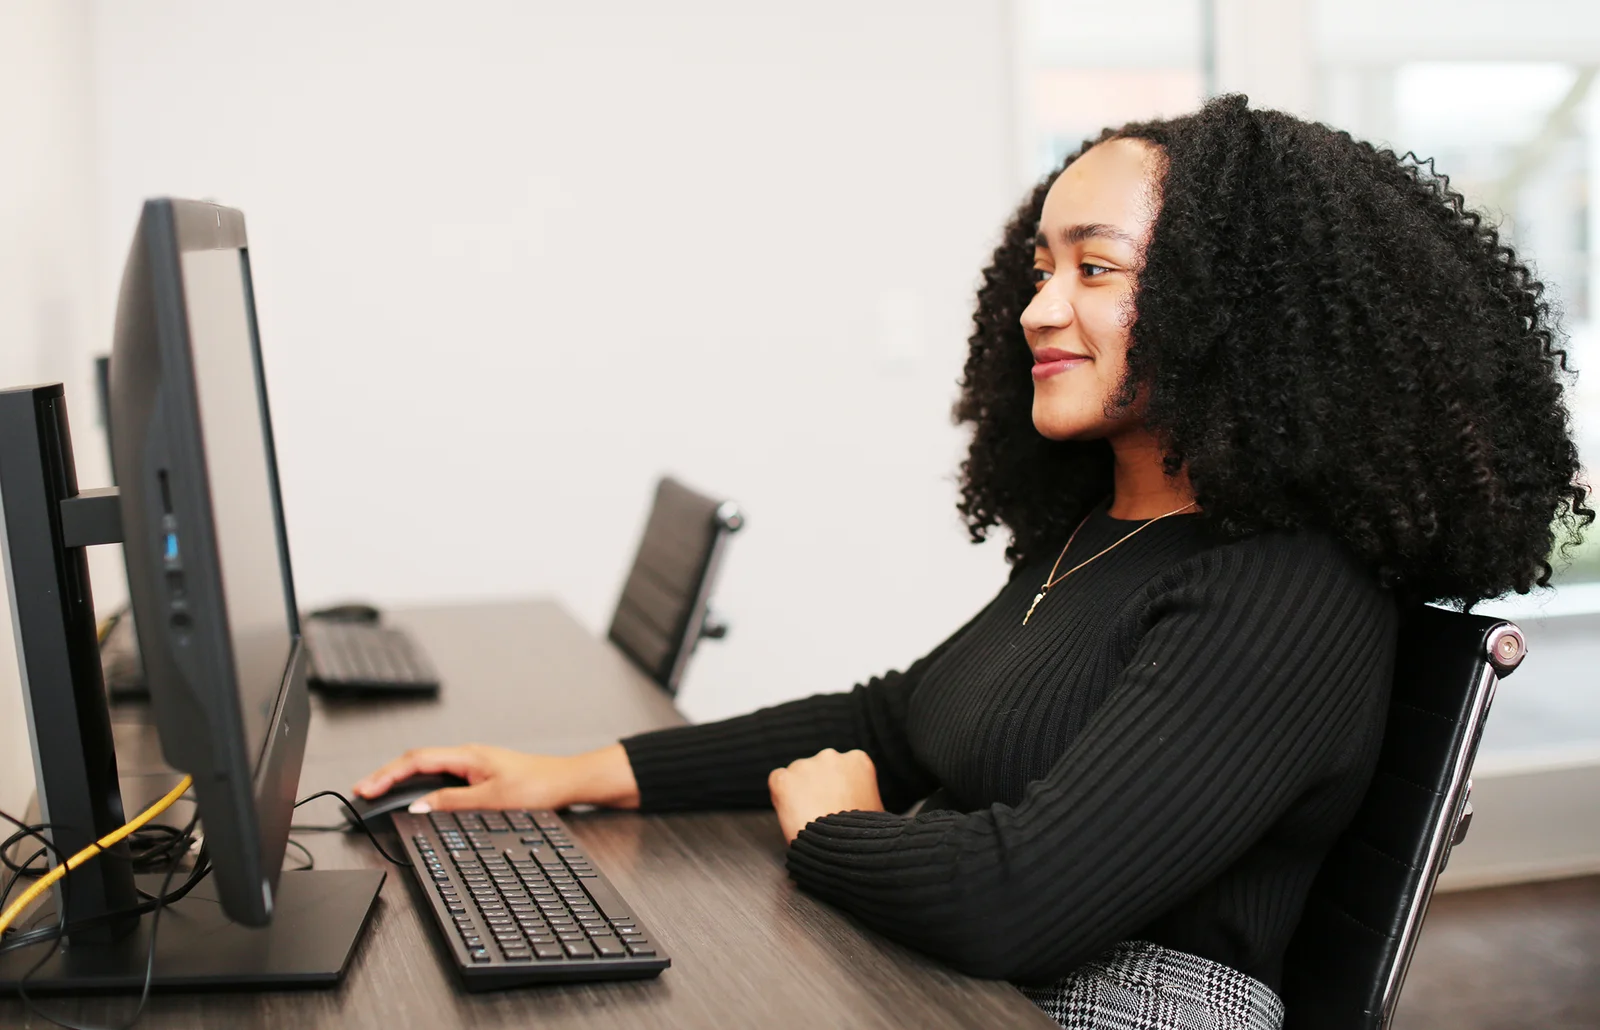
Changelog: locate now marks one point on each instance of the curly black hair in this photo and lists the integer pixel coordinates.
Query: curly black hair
(1329, 339)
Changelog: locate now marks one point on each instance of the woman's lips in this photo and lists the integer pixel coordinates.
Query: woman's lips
(1049, 361)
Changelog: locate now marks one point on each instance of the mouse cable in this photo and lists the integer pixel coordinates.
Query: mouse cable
(62, 868)
(310, 861)
(360, 822)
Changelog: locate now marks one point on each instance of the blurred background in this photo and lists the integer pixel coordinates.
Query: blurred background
(513, 260)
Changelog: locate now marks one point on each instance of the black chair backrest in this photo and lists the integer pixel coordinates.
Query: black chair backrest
(1349, 954)
(664, 608)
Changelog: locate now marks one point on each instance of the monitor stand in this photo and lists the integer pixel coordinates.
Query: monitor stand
(318, 915)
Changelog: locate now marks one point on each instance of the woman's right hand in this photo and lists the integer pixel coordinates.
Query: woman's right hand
(501, 778)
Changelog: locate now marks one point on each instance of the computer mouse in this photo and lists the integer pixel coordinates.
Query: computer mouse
(352, 612)
(399, 797)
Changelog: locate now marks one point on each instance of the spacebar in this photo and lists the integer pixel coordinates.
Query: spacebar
(606, 900)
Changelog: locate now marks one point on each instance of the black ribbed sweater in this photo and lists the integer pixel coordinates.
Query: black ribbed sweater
(1165, 752)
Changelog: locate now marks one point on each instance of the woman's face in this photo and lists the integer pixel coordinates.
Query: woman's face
(1092, 235)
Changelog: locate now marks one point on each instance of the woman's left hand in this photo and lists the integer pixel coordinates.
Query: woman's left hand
(827, 782)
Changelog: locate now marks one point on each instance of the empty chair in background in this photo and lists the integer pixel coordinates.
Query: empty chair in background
(665, 605)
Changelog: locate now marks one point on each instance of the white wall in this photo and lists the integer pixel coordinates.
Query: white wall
(49, 296)
(514, 259)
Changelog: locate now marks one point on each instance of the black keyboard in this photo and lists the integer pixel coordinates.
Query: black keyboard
(518, 902)
(360, 658)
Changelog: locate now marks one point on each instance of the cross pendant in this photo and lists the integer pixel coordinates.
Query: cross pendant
(1036, 599)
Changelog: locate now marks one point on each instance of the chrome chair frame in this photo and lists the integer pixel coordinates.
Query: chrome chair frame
(1319, 994)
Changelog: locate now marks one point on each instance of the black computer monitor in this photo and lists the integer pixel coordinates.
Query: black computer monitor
(208, 562)
(199, 516)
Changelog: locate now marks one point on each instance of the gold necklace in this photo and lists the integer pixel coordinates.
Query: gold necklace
(1051, 580)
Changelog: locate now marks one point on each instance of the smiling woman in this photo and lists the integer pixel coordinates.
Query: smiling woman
(1244, 391)
(1094, 228)
(1326, 337)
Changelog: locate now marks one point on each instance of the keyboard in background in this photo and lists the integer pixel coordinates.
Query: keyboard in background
(518, 902)
(363, 658)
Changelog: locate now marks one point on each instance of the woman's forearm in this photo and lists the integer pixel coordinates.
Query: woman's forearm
(606, 777)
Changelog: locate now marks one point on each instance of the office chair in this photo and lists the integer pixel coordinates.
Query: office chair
(664, 609)
(1349, 955)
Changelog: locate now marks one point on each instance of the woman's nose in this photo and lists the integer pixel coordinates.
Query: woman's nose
(1050, 308)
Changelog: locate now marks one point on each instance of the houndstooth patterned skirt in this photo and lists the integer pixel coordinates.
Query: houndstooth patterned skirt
(1137, 985)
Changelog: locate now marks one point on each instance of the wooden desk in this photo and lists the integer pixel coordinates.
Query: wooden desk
(748, 949)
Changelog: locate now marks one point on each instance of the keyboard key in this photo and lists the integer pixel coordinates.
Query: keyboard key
(608, 947)
(640, 946)
(607, 900)
(549, 950)
(579, 948)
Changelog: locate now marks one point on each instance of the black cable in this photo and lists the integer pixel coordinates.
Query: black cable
(10, 843)
(58, 932)
(151, 847)
(38, 835)
(26, 939)
(17, 873)
(149, 962)
(360, 822)
(17, 939)
(310, 863)
(157, 846)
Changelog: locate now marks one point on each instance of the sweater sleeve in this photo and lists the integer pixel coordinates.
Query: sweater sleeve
(725, 764)
(1258, 664)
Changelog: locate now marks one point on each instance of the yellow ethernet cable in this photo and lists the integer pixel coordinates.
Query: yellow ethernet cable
(44, 883)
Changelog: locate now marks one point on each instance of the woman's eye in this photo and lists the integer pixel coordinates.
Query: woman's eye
(1041, 276)
(1091, 270)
